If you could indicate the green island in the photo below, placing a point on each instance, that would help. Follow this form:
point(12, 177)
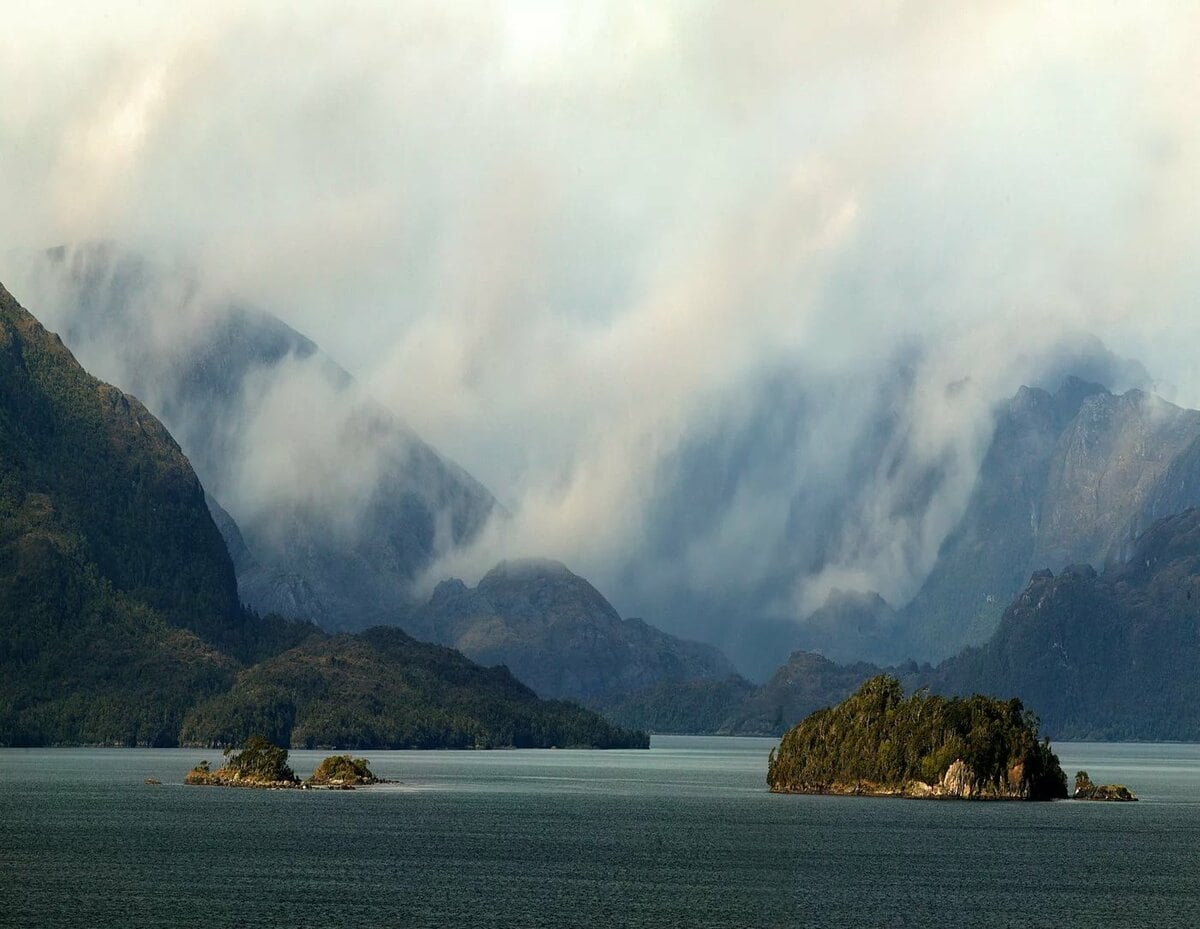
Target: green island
point(1086, 790)
point(879, 743)
point(342, 772)
point(261, 764)
point(258, 764)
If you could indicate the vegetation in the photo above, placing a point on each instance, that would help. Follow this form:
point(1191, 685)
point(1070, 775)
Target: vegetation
point(876, 741)
point(257, 764)
point(119, 616)
point(384, 689)
point(700, 705)
point(342, 771)
point(1086, 790)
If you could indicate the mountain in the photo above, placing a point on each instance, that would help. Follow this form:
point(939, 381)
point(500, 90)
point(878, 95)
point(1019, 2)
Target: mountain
point(558, 634)
point(382, 689)
point(1110, 655)
point(806, 479)
point(1070, 478)
point(335, 505)
point(119, 613)
point(851, 626)
point(700, 705)
point(117, 598)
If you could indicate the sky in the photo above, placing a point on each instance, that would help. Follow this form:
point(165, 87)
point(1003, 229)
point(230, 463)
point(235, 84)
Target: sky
point(565, 241)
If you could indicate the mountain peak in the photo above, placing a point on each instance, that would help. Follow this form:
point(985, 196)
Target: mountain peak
point(526, 568)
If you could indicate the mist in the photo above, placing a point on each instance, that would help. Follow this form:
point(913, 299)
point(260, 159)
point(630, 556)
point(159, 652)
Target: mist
point(717, 299)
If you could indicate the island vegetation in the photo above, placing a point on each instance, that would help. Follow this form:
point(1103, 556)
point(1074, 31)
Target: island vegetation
point(257, 764)
point(260, 763)
point(342, 772)
point(877, 742)
point(1086, 790)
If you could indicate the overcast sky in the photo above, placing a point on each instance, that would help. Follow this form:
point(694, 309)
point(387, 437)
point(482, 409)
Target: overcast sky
point(550, 234)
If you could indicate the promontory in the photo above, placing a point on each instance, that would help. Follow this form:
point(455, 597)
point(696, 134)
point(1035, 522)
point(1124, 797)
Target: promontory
point(877, 742)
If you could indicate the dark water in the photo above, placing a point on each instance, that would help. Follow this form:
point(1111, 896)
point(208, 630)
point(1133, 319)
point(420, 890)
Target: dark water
point(683, 835)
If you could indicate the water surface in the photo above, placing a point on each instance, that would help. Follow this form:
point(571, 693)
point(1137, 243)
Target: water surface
point(682, 835)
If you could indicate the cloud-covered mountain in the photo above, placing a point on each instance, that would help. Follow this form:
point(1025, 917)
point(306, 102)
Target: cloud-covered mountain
point(1070, 478)
point(1111, 655)
point(337, 507)
point(119, 614)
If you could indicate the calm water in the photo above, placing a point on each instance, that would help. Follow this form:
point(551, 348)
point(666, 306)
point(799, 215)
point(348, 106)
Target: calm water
point(683, 835)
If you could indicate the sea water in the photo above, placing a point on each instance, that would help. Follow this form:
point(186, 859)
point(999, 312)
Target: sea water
point(684, 835)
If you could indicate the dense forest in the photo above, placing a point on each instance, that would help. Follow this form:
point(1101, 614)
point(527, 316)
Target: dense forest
point(383, 689)
point(878, 741)
point(119, 616)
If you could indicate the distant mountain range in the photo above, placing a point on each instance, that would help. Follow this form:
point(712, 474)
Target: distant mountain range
point(1077, 477)
point(333, 506)
point(119, 615)
point(1109, 655)
point(1070, 478)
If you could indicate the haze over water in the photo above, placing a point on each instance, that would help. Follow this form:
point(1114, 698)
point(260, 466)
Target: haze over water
point(683, 835)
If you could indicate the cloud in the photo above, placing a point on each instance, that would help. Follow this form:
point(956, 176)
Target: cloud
point(578, 247)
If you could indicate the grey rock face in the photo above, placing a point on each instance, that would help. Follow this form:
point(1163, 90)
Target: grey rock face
point(558, 634)
point(1072, 478)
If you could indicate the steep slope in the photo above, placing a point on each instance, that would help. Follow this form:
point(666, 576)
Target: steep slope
point(114, 583)
point(1105, 656)
point(382, 689)
point(338, 504)
point(558, 634)
point(990, 554)
point(119, 610)
point(1069, 479)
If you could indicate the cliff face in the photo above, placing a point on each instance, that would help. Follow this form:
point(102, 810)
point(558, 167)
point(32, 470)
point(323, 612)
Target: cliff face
point(1069, 479)
point(1109, 655)
point(557, 633)
point(877, 742)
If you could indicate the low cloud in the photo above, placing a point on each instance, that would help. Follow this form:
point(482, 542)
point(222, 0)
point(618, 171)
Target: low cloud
point(716, 298)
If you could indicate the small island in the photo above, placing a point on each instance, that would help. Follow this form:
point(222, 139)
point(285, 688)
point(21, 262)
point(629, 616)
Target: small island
point(1086, 790)
point(264, 765)
point(259, 764)
point(341, 772)
point(878, 743)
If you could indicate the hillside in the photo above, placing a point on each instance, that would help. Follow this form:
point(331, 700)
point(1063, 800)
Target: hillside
point(558, 634)
point(338, 505)
point(1110, 655)
point(119, 617)
point(116, 593)
point(383, 689)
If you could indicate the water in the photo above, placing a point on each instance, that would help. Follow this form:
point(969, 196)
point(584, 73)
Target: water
point(683, 835)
